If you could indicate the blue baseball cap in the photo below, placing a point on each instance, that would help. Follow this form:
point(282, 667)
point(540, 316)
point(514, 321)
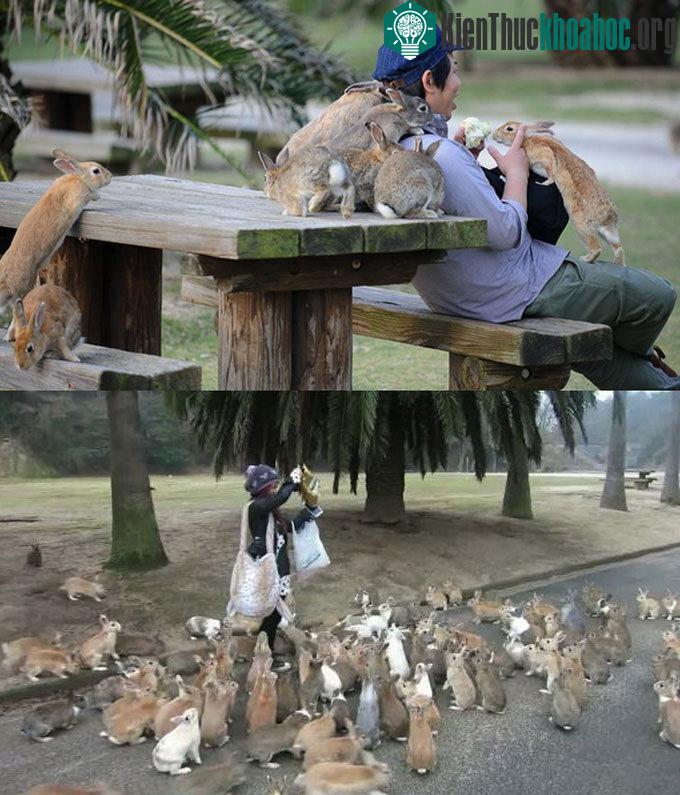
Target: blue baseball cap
point(391, 65)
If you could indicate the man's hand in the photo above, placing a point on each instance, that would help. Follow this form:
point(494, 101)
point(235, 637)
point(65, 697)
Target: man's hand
point(514, 163)
point(460, 137)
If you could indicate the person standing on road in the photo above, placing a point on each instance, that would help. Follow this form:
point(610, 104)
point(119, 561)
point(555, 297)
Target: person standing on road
point(521, 272)
point(268, 494)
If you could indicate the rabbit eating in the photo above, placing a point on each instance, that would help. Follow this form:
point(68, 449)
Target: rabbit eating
point(590, 207)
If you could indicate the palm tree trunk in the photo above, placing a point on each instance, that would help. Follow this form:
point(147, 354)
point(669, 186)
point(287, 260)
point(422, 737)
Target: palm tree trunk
point(385, 482)
point(8, 129)
point(614, 492)
point(671, 487)
point(135, 538)
point(517, 495)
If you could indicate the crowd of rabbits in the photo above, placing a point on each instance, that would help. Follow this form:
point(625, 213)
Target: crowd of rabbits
point(374, 676)
point(350, 157)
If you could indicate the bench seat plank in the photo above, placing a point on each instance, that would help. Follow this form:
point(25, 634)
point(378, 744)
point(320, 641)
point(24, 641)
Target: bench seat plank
point(99, 368)
point(401, 317)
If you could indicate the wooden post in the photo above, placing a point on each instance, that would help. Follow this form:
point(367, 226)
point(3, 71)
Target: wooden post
point(322, 339)
point(468, 372)
point(132, 298)
point(255, 341)
point(78, 268)
point(118, 289)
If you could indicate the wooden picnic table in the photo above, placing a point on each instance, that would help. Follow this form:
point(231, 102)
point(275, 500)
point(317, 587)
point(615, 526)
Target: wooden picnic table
point(284, 283)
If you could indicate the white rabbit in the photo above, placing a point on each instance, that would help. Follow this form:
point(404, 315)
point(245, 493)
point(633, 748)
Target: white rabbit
point(421, 677)
point(332, 683)
point(396, 656)
point(203, 627)
point(181, 744)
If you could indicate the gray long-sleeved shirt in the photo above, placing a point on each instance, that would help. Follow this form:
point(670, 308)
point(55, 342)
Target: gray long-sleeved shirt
point(495, 283)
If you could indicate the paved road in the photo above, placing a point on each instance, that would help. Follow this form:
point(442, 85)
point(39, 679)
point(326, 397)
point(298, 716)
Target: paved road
point(615, 749)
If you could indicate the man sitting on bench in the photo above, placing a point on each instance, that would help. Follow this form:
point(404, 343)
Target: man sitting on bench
point(522, 273)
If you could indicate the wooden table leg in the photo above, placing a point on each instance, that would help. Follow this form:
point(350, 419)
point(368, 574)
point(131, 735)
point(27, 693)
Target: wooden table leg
point(322, 339)
point(468, 372)
point(119, 291)
point(255, 341)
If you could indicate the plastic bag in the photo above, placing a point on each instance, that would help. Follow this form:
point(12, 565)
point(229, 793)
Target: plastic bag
point(310, 553)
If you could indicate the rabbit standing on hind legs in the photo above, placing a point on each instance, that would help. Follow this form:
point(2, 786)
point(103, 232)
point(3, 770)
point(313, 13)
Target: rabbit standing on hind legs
point(590, 207)
point(43, 229)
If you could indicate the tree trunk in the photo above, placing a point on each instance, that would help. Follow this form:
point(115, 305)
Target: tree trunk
point(8, 128)
point(517, 496)
point(135, 539)
point(385, 478)
point(614, 492)
point(671, 487)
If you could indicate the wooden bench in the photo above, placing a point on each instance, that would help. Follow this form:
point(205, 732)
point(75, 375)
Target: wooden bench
point(99, 368)
point(535, 354)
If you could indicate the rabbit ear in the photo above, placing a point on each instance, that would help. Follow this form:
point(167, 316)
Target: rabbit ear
point(64, 162)
point(396, 97)
point(39, 317)
point(378, 135)
point(542, 127)
point(268, 164)
point(19, 313)
point(432, 148)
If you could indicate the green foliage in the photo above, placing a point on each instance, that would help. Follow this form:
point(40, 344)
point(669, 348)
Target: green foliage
point(68, 434)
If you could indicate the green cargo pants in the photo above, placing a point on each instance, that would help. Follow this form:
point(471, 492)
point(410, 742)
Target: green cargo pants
point(636, 305)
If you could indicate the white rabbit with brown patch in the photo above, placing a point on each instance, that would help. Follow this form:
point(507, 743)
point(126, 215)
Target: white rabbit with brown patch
point(95, 649)
point(43, 229)
point(588, 203)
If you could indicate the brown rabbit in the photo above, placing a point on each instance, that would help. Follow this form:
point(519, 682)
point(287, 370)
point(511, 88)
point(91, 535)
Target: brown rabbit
point(589, 205)
point(487, 610)
point(309, 181)
point(58, 662)
point(311, 688)
point(436, 598)
point(15, 651)
point(46, 321)
point(34, 557)
point(430, 710)
point(490, 685)
point(453, 593)
point(421, 754)
point(565, 711)
point(127, 720)
point(262, 661)
point(214, 727)
point(43, 229)
point(339, 115)
point(188, 697)
point(76, 587)
point(458, 680)
point(287, 695)
point(147, 677)
point(313, 732)
point(574, 679)
point(394, 718)
point(669, 711)
point(401, 115)
point(330, 778)
point(336, 749)
point(264, 744)
point(95, 649)
point(410, 184)
point(364, 163)
point(261, 706)
point(207, 670)
point(225, 660)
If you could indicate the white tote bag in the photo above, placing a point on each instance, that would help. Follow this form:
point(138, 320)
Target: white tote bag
point(310, 553)
point(254, 588)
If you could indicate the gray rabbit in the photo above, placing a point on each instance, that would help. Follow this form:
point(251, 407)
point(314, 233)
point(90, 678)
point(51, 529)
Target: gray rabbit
point(368, 715)
point(44, 719)
point(410, 184)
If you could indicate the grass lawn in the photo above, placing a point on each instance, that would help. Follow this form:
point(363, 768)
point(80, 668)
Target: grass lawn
point(649, 225)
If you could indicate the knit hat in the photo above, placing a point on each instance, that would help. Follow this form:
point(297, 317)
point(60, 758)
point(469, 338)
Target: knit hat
point(258, 476)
